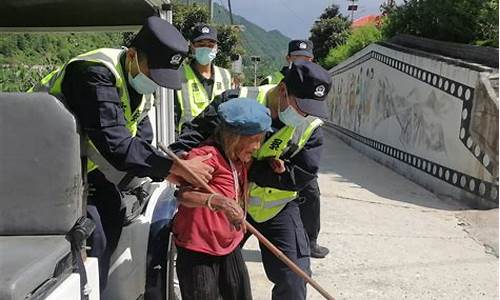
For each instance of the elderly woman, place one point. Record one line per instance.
(207, 226)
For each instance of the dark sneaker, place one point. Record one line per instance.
(318, 251)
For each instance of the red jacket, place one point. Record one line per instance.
(200, 229)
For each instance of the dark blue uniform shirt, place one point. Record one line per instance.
(90, 92)
(301, 168)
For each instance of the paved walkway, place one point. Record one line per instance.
(392, 239)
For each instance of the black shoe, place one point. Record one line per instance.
(318, 251)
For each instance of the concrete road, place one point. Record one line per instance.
(392, 239)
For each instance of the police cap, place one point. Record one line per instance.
(310, 84)
(301, 47)
(245, 116)
(165, 48)
(204, 32)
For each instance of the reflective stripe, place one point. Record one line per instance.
(253, 93)
(193, 97)
(254, 201)
(110, 58)
(226, 78)
(269, 203)
(302, 134)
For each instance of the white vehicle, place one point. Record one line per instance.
(41, 189)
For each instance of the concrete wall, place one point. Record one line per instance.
(431, 118)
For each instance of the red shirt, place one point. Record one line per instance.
(200, 229)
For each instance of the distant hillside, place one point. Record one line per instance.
(20, 52)
(271, 46)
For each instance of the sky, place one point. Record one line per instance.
(294, 18)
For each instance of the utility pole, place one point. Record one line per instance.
(352, 8)
(211, 10)
(230, 12)
(255, 60)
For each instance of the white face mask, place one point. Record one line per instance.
(290, 116)
(205, 55)
(141, 83)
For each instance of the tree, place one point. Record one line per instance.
(187, 16)
(329, 31)
(330, 12)
(229, 45)
(461, 21)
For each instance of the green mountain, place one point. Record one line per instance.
(271, 46)
(26, 58)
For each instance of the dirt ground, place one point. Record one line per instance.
(391, 239)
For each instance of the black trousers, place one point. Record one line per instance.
(286, 232)
(104, 208)
(207, 277)
(310, 210)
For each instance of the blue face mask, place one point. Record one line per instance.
(205, 55)
(291, 117)
(142, 83)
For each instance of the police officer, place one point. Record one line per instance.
(310, 195)
(110, 92)
(286, 163)
(297, 50)
(202, 80)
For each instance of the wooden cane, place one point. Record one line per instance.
(277, 252)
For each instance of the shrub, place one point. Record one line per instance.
(359, 39)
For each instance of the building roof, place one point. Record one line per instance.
(366, 20)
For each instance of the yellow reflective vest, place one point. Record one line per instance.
(110, 58)
(274, 78)
(193, 98)
(265, 202)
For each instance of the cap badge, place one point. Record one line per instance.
(320, 91)
(303, 45)
(176, 59)
(205, 30)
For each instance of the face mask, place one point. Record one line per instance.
(205, 55)
(142, 83)
(290, 117)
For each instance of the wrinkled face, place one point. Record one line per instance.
(248, 145)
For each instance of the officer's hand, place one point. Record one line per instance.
(197, 166)
(277, 165)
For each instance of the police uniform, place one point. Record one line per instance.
(197, 91)
(273, 205)
(310, 195)
(295, 47)
(113, 117)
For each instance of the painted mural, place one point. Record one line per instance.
(416, 105)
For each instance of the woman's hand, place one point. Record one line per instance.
(230, 208)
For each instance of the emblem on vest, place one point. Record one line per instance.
(320, 91)
(195, 87)
(123, 106)
(135, 116)
(275, 144)
(176, 59)
(218, 85)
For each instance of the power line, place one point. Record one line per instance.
(305, 23)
